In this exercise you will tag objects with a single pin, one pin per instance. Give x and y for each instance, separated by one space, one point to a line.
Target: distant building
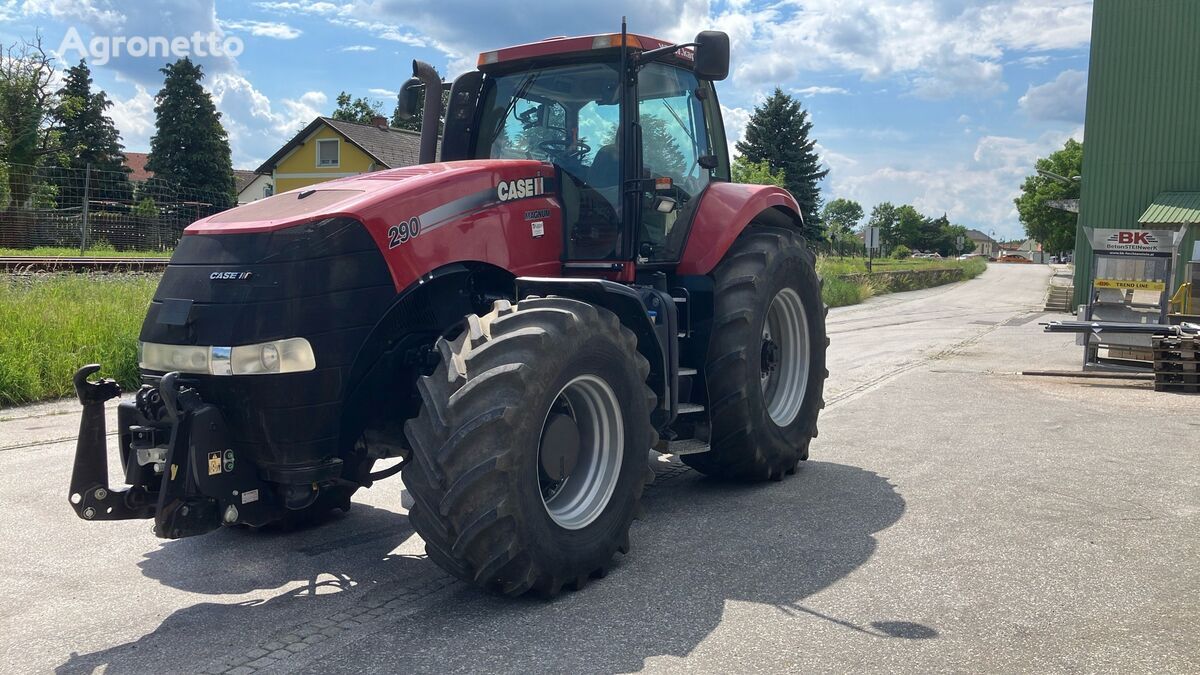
251 186
329 148
136 161
984 245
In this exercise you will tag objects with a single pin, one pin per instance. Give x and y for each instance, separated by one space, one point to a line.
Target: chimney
379 122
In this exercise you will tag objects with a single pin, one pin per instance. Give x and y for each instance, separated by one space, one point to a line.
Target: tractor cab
635 135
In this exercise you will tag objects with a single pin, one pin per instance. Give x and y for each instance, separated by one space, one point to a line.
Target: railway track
11 264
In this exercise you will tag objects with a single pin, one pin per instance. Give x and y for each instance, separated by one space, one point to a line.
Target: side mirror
410 99
712 55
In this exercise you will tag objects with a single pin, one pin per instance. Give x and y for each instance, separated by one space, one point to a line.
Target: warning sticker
538 229
250 496
214 463
1131 284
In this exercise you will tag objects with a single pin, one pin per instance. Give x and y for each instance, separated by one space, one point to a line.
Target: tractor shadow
296 574
702 544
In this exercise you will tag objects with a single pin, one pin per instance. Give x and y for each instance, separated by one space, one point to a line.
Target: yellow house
329 148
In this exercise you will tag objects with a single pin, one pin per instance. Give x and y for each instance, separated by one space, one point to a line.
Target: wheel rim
576 499
784 358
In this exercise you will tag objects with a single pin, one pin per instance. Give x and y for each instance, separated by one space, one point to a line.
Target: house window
268 190
327 152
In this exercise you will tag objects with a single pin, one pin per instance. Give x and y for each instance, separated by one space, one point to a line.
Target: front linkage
174 452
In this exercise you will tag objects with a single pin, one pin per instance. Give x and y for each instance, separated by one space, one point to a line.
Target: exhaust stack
424 76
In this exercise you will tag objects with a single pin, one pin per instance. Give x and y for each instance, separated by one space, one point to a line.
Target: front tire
765 368
529 453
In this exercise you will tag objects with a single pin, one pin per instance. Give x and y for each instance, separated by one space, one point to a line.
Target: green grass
840 291
833 266
50 325
100 251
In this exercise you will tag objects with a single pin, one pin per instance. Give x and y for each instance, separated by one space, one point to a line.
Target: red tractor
576 283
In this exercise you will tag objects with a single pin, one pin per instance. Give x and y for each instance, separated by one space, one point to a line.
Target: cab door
683 150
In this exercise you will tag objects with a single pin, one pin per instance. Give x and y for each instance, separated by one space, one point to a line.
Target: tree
841 217
358 110
909 222
1053 227
87 137
190 149
26 105
778 133
884 217
414 124
756 173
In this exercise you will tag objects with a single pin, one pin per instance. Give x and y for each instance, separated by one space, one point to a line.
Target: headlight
293 355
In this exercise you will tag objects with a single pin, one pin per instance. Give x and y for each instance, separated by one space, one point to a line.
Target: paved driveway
955 516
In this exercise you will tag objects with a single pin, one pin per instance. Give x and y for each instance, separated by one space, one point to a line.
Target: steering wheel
558 147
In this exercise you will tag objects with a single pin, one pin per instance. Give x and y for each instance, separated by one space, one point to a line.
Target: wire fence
93 211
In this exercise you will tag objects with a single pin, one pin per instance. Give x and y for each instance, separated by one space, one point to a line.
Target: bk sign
1133 242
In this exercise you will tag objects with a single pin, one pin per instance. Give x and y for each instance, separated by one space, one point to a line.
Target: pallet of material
1177 364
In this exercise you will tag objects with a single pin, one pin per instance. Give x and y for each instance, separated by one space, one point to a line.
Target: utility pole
83 235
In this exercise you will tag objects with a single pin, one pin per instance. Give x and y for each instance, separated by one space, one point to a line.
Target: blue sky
944 104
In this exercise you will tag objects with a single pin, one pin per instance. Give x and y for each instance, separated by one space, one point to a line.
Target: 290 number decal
399 234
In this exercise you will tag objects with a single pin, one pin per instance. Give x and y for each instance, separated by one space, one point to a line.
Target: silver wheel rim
579 498
785 357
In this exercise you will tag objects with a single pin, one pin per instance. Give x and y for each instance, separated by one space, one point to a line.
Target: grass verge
50 325
102 251
846 282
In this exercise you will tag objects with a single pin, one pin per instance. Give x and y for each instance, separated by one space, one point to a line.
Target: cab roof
558 46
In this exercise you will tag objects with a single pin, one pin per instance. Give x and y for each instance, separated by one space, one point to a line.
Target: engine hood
436 189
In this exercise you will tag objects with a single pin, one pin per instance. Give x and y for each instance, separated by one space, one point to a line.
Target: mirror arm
647 57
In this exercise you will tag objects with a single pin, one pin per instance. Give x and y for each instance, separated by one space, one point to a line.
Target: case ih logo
519 189
1133 238
230 276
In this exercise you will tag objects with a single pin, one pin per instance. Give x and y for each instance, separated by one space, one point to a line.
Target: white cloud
269 29
358 48
818 90
376 91
134 118
978 192
1063 98
736 120
939 48
99 13
256 127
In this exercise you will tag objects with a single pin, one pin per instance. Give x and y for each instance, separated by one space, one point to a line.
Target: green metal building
1141 158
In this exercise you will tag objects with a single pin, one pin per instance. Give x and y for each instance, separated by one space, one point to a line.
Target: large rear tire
765 368
529 453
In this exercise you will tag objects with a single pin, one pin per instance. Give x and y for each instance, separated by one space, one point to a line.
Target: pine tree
778 134
88 137
190 149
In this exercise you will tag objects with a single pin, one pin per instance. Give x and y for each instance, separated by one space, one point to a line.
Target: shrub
901 252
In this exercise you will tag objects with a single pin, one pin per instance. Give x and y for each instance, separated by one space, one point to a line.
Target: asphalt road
955 515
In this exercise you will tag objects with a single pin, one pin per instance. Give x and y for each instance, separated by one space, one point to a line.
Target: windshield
566 115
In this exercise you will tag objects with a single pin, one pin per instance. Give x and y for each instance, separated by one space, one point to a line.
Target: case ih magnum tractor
575 283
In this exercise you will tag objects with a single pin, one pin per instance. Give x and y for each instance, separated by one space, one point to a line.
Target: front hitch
177 458
91 496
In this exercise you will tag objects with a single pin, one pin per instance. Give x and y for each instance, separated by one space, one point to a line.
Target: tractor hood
388 195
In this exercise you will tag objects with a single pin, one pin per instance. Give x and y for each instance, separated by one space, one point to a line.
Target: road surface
955 515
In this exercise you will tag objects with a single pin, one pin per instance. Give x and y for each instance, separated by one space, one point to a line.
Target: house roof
242 178
976 235
1172 208
136 161
389 147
